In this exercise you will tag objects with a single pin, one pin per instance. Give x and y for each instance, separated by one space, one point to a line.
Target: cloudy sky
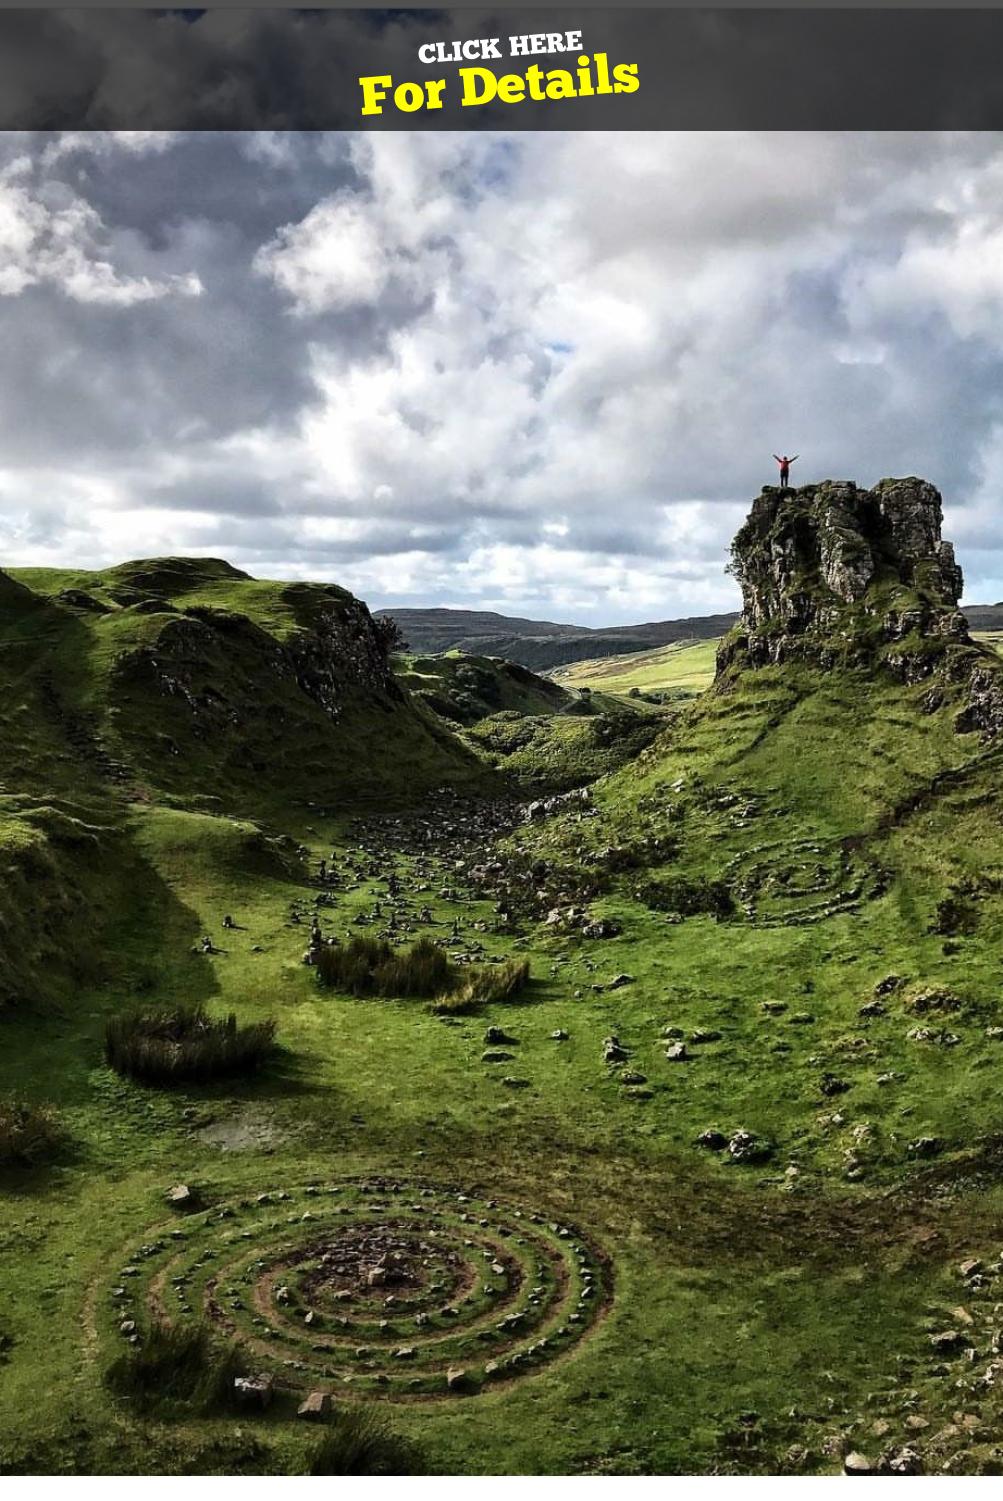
536 373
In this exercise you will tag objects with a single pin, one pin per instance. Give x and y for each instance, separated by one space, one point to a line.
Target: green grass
800 1290
462 688
679 671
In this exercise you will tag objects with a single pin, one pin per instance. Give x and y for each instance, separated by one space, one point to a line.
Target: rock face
336 650
832 575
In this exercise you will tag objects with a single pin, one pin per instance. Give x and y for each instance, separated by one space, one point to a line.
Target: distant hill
984 617
542 644
464 689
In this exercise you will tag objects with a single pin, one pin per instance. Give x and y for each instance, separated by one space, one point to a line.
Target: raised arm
778 458
792 460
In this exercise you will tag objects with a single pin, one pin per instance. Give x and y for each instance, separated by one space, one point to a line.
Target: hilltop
541 644
188 675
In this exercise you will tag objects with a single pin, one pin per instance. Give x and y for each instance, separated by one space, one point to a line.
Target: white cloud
544 373
48 235
106 143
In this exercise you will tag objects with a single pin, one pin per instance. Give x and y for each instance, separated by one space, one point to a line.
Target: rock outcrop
212 659
833 575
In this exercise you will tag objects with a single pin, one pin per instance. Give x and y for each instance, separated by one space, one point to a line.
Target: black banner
521 69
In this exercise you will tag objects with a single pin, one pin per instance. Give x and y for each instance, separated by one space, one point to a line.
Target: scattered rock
254 1391
830 1085
315 1406
925 1146
746 1146
903 1462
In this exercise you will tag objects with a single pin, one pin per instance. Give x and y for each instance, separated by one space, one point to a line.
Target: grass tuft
177 1365
28 1133
371 966
486 987
362 1442
185 1044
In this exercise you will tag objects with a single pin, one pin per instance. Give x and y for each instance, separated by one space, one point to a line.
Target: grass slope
682 670
463 689
764 1317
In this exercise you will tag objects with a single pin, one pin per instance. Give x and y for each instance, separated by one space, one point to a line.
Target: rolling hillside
542 645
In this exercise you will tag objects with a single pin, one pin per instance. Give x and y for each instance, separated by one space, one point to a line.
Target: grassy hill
679 671
718 1190
541 644
186 678
463 689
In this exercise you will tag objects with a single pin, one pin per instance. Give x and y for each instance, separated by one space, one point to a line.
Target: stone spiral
375 1286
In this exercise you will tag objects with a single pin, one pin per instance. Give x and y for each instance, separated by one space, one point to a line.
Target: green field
793 877
680 671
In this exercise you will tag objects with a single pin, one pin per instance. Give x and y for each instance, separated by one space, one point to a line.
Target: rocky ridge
837 576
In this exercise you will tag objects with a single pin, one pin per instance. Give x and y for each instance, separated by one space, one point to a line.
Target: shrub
362 1442
28 1133
371 966
177 1365
185 1044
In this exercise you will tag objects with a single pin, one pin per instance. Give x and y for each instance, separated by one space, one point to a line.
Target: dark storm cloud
537 373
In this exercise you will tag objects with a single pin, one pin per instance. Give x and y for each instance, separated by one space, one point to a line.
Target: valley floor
760 1318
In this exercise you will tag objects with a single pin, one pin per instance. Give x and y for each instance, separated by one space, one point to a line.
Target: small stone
180 1194
905 1462
254 1391
746 1146
856 1463
315 1406
925 1146
676 1052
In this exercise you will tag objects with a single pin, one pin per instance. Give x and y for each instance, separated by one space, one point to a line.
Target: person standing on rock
785 468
